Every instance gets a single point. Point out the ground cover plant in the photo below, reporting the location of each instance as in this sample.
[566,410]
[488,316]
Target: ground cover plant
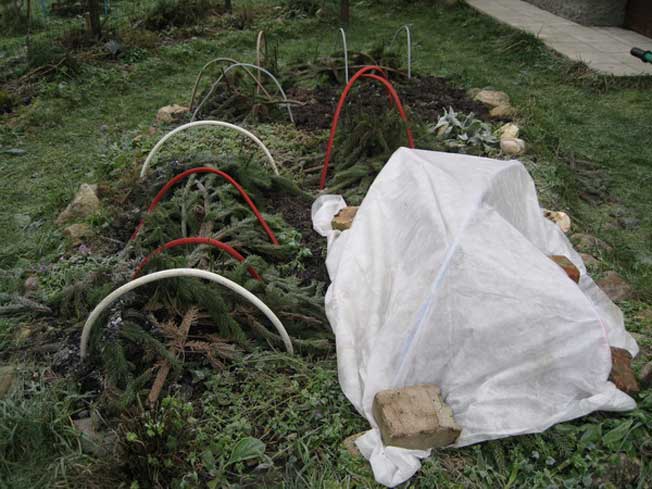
[233,409]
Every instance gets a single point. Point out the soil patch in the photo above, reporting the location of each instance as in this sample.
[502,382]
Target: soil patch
[425,98]
[295,210]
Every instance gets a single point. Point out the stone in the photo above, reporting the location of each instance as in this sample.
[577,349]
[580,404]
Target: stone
[31,283]
[7,380]
[343,220]
[646,376]
[590,261]
[560,218]
[492,98]
[571,270]
[15,152]
[621,371]
[615,287]
[83,205]
[349,444]
[94,442]
[171,113]
[512,146]
[415,417]
[77,232]
[472,92]
[504,111]
[586,243]
[509,131]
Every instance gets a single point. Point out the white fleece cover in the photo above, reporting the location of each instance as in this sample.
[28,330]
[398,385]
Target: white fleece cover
[444,278]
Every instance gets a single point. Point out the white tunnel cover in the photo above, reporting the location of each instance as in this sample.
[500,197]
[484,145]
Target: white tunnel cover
[444,279]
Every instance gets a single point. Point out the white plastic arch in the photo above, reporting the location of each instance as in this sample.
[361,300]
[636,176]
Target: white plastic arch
[181,272]
[260,41]
[189,125]
[222,60]
[245,65]
[409,46]
[346,54]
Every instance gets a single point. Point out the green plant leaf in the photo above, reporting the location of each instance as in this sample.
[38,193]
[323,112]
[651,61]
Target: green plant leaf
[613,437]
[246,449]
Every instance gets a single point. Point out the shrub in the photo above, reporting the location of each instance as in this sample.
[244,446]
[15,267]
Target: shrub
[177,13]
[13,16]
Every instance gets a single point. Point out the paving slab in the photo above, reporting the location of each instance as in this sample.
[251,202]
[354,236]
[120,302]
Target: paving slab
[603,49]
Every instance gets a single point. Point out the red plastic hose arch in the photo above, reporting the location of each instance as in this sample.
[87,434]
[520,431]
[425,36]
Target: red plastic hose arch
[198,240]
[207,169]
[340,105]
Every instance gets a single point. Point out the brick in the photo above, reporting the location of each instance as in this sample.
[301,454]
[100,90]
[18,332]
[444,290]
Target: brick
[571,270]
[415,417]
[621,371]
[344,219]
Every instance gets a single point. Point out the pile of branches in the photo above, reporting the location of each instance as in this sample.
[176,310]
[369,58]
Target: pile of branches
[157,332]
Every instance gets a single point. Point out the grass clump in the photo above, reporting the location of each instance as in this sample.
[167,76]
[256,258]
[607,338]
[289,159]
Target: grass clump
[36,436]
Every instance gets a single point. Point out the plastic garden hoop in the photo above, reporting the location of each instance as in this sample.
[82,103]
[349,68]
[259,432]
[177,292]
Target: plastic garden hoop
[189,125]
[260,40]
[197,240]
[340,104]
[246,65]
[409,46]
[222,60]
[207,169]
[346,54]
[181,272]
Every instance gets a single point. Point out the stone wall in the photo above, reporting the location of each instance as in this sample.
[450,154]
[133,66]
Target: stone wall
[587,12]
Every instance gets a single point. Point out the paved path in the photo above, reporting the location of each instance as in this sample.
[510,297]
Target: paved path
[604,49]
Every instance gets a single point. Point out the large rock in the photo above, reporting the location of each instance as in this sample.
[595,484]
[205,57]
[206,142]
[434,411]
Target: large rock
[560,218]
[590,261]
[77,232]
[7,380]
[586,243]
[171,113]
[621,371]
[512,146]
[492,98]
[83,205]
[571,270]
[508,131]
[504,111]
[415,417]
[615,287]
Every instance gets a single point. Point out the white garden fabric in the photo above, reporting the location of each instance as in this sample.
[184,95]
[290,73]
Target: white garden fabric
[444,278]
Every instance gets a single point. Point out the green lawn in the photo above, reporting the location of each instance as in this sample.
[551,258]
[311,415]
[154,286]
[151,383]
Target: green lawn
[589,153]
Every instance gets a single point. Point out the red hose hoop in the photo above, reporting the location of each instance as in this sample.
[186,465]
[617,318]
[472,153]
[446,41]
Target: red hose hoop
[340,105]
[199,240]
[206,169]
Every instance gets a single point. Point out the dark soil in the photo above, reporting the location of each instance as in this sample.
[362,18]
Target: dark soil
[295,210]
[425,98]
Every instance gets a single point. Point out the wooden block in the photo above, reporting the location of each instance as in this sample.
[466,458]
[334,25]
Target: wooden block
[571,270]
[415,417]
[344,219]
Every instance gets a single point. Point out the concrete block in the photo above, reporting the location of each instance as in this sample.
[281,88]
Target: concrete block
[415,417]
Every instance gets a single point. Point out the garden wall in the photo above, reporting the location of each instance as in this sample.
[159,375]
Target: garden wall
[587,12]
